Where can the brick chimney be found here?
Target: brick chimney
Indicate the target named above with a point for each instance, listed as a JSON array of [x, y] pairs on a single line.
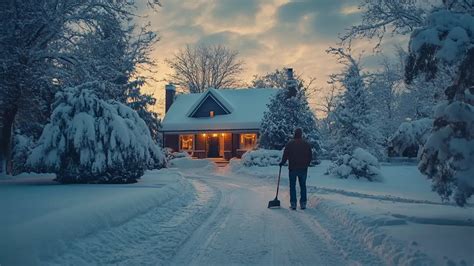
[[290, 83], [170, 93]]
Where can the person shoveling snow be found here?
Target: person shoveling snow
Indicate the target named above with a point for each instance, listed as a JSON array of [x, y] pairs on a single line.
[[299, 156]]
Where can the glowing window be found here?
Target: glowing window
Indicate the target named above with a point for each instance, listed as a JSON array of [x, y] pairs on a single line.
[[186, 142], [248, 141]]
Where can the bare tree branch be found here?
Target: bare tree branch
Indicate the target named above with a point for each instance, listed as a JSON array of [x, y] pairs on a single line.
[[203, 67]]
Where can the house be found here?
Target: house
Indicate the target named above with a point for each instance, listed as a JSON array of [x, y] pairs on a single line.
[[218, 123]]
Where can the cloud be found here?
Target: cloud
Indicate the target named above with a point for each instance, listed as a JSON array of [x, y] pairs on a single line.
[[228, 11], [318, 19], [269, 34]]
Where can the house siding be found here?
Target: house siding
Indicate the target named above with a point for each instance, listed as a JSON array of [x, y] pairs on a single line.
[[171, 141]]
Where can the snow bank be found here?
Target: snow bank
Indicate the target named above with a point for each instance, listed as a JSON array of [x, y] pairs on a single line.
[[236, 166], [262, 157], [187, 163], [360, 164], [39, 216], [391, 251]]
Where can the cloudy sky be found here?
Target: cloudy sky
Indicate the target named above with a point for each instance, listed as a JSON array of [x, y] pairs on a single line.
[[268, 34]]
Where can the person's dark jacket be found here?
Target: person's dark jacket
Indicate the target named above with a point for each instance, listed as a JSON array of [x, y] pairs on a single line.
[[298, 153]]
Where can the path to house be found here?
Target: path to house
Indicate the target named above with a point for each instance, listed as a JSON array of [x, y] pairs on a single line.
[[225, 222]]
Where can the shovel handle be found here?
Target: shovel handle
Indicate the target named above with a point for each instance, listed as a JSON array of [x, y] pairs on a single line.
[[278, 184]]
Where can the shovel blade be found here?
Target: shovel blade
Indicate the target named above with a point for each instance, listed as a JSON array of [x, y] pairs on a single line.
[[274, 203]]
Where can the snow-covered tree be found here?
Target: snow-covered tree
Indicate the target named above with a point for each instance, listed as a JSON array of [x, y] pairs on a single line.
[[384, 92], [380, 17], [40, 40], [90, 140], [421, 96], [448, 155], [288, 110], [353, 125], [142, 103], [411, 136]]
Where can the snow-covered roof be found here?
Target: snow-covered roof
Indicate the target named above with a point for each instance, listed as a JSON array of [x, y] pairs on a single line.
[[246, 107], [217, 95]]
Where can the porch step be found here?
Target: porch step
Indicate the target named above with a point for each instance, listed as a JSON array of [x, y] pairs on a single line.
[[221, 162]]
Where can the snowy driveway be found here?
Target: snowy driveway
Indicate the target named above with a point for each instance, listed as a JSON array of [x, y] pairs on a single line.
[[224, 222]]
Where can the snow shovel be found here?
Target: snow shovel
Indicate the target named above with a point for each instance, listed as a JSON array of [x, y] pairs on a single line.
[[275, 203]]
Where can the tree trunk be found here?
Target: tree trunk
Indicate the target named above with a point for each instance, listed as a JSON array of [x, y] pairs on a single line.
[[6, 128]]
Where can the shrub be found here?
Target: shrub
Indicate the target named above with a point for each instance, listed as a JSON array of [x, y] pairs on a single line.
[[360, 164]]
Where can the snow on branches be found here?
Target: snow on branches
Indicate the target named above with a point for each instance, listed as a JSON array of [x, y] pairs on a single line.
[[448, 155], [353, 122], [410, 136], [90, 140], [288, 110]]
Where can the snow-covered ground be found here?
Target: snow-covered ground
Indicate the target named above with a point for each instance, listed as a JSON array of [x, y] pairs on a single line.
[[393, 216], [195, 213], [41, 218]]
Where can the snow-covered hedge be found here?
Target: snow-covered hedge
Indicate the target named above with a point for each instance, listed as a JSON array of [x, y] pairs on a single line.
[[410, 136], [361, 164], [261, 157], [90, 140], [170, 154]]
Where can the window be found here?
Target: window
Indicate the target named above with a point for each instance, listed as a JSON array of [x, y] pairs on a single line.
[[186, 142], [248, 141]]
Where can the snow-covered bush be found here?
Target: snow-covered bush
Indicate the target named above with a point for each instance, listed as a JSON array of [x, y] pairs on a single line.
[[447, 157], [360, 164], [90, 140], [22, 145], [410, 136], [170, 154], [261, 157]]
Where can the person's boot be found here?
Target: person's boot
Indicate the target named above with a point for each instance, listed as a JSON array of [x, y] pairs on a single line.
[[293, 207], [303, 206]]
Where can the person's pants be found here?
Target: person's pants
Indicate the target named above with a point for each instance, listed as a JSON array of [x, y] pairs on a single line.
[[301, 174]]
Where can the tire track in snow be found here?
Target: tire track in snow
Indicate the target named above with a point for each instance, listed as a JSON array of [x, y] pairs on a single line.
[[249, 233], [149, 239], [334, 237], [367, 240]]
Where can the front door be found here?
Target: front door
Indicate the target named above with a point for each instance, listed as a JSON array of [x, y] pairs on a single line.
[[213, 150]]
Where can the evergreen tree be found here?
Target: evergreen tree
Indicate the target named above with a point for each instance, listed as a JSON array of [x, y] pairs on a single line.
[[353, 121], [90, 140], [288, 110], [448, 155], [141, 103]]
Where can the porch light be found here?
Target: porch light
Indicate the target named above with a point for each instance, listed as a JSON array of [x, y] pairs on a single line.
[[214, 135], [223, 134], [204, 134]]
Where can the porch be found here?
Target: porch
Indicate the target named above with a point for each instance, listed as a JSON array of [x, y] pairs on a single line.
[[212, 144]]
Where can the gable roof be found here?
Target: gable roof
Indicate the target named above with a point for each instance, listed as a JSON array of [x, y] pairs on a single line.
[[216, 95], [246, 107]]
